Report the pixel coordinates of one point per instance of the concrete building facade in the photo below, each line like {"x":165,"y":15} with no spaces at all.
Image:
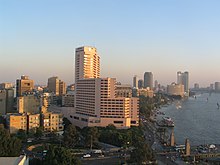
{"x":24,"y":85}
{"x":123,"y":91}
{"x":28,"y":104}
{"x":87,"y":63}
{"x":96,"y":103}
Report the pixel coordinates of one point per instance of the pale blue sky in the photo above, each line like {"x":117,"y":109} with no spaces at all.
{"x":38,"y":38}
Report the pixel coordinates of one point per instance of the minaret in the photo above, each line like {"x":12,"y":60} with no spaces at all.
{"x":187,"y":148}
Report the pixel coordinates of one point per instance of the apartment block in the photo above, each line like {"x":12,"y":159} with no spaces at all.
{"x":6,"y":86}
{"x":33,"y":121}
{"x":24,"y":85}
{"x":52,"y":122}
{"x":28,"y":104}
{"x":16,"y":122}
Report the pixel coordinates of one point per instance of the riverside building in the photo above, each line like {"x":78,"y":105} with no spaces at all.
{"x":96,"y":103}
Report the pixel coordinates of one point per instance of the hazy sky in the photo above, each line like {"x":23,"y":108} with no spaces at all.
{"x":38,"y":38}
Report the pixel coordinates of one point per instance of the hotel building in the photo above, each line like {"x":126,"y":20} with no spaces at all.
{"x":96,"y":103}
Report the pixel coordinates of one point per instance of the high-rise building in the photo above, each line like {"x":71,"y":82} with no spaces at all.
{"x":135,"y":82}
{"x":196,"y":86}
{"x":96,"y":103}
{"x":53,"y":85}
{"x":179,"y":78}
{"x":156,"y":84}
{"x":62,"y":88}
{"x":56,"y":86}
{"x":24,"y":85}
{"x":87,"y":63}
{"x":140,"y":84}
{"x":148,"y":80}
{"x":183,"y":78}
{"x":217,"y":86}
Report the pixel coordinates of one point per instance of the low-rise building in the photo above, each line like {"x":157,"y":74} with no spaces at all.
{"x":33,"y":121}
{"x":52,"y":122}
{"x":175,"y":90}
{"x":68,"y":99}
{"x":28,"y":104}
{"x":123,"y":91}
{"x":143,"y":92}
{"x":17,"y":121}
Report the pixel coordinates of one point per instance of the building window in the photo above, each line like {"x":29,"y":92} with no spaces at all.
{"x":118,"y":122}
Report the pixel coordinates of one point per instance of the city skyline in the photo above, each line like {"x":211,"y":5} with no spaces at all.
{"x":38,"y":39}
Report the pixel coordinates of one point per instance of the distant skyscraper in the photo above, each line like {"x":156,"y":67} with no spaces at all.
{"x":140,"y":84}
{"x":217,"y":86}
{"x":87,"y":63}
{"x":24,"y":85}
{"x":148,"y":80}
{"x":156,"y":84}
{"x":53,"y":85}
{"x":179,"y":78}
{"x":196,"y":86}
{"x":135,"y":82}
{"x":183,"y":78}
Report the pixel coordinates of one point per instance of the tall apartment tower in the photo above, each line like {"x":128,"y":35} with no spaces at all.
{"x":24,"y":85}
{"x":183,"y":78}
{"x":87,"y":63}
{"x":135,"y":82}
{"x":148,"y":80}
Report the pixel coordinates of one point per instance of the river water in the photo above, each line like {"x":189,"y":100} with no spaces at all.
{"x":196,"y":118}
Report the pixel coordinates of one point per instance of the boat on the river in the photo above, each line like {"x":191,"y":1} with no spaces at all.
{"x":166,"y":122}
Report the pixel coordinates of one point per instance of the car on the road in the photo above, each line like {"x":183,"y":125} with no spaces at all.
{"x":86,"y":156}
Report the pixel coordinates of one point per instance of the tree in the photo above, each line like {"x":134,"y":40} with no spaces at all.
{"x":21,"y":134}
{"x":66,"y":123}
{"x":91,"y":135}
{"x":9,"y":146}
{"x":60,"y":155}
{"x":39,"y":132}
{"x":71,"y":136}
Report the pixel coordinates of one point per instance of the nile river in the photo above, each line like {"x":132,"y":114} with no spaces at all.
{"x":196,"y":118}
